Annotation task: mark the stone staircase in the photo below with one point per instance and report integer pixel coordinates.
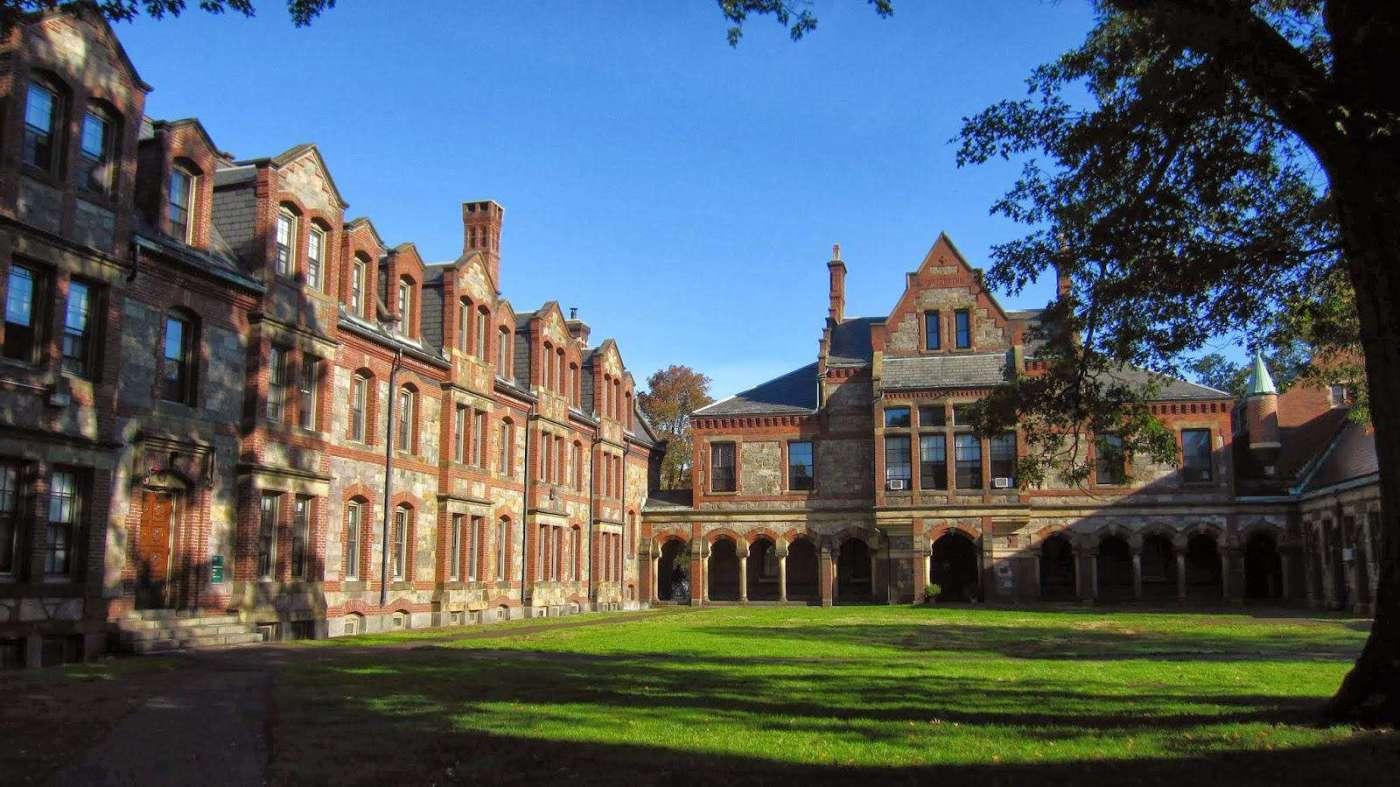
(164, 630)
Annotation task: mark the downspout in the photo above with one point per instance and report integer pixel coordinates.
(388, 478)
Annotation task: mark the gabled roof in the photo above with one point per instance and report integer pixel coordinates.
(90, 14)
(292, 154)
(1169, 389)
(364, 221)
(792, 393)
(1351, 455)
(850, 342)
(182, 122)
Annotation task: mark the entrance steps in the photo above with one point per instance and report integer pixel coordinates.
(165, 630)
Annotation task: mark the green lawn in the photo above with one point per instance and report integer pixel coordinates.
(844, 694)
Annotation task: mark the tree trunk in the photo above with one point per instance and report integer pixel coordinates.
(1368, 206)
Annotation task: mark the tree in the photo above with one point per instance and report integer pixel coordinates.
(672, 395)
(1285, 363)
(11, 11)
(1202, 165)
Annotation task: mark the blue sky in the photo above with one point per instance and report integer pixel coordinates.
(683, 194)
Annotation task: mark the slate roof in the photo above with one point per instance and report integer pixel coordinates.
(1169, 389)
(791, 393)
(1351, 455)
(668, 500)
(850, 342)
(946, 371)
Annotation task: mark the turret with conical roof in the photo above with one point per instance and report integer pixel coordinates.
(1261, 416)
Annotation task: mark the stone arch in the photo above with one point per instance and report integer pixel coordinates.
(855, 570)
(802, 568)
(955, 565)
(1057, 566)
(1115, 565)
(761, 568)
(352, 624)
(722, 575)
(1157, 561)
(1204, 577)
(672, 569)
(1263, 566)
(760, 533)
(718, 533)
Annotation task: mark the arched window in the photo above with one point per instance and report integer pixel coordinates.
(285, 263)
(559, 372)
(405, 428)
(43, 125)
(506, 452)
(464, 311)
(180, 198)
(503, 550)
(97, 149)
(400, 540)
(316, 256)
(359, 285)
(547, 366)
(578, 466)
(481, 333)
(180, 364)
(361, 394)
(503, 353)
(355, 510)
(627, 411)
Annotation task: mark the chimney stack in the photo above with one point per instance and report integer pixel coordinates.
(481, 232)
(836, 312)
(577, 328)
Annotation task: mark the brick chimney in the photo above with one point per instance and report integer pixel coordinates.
(481, 231)
(836, 312)
(577, 328)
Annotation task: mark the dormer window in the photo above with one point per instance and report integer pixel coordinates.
(181, 198)
(286, 240)
(405, 304)
(96, 152)
(315, 257)
(357, 286)
(41, 125)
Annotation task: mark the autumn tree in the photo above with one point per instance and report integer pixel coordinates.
(672, 395)
(1196, 167)
(11, 11)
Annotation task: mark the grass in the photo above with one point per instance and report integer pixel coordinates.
(777, 694)
(850, 693)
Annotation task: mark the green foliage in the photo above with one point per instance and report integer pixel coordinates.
(672, 395)
(795, 16)
(1286, 363)
(11, 11)
(932, 591)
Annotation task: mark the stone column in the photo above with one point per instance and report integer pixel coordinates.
(826, 576)
(782, 575)
(1078, 575)
(1180, 575)
(1224, 573)
(926, 569)
(654, 561)
(744, 578)
(1094, 575)
(875, 590)
(1137, 575)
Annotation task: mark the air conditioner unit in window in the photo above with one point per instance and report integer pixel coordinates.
(895, 484)
(1001, 483)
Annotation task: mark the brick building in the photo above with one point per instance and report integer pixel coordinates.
(196, 397)
(856, 478)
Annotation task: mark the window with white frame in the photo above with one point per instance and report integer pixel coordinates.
(315, 256)
(285, 261)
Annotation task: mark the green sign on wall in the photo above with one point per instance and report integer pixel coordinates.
(216, 569)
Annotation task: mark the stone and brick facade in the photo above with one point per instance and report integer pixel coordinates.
(196, 397)
(855, 478)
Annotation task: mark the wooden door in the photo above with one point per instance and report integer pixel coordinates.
(153, 546)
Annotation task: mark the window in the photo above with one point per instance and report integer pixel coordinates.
(896, 417)
(478, 454)
(359, 407)
(1195, 450)
(722, 467)
(933, 331)
(479, 333)
(962, 325)
(405, 304)
(79, 336)
(177, 376)
(962, 415)
(464, 309)
(404, 438)
(10, 518)
(398, 553)
(1108, 459)
(95, 153)
(474, 548)
(354, 517)
(505, 461)
(358, 281)
(286, 241)
(502, 544)
(800, 466)
(315, 256)
(897, 460)
(454, 559)
(41, 127)
(276, 384)
(578, 466)
(301, 533)
(546, 463)
(1338, 394)
(932, 415)
(267, 535)
(1003, 456)
(503, 353)
(577, 544)
(310, 375)
(968, 450)
(64, 517)
(542, 561)
(558, 460)
(181, 197)
(24, 313)
(459, 434)
(933, 461)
